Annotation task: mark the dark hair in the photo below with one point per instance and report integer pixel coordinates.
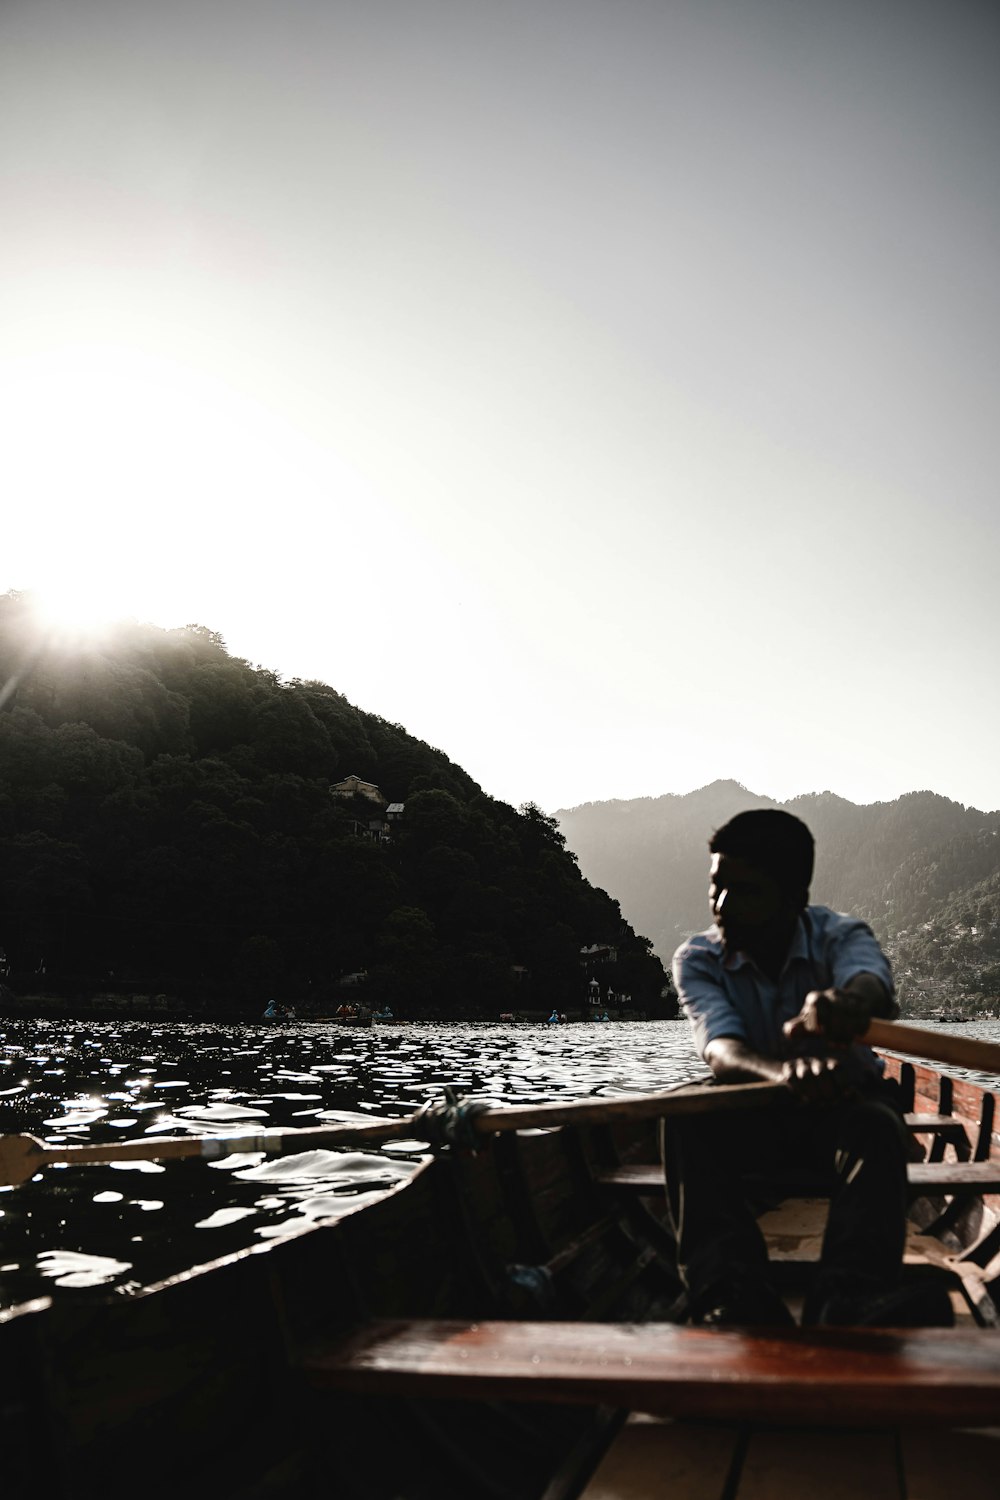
(771, 840)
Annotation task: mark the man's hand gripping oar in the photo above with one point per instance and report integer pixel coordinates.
(845, 1016)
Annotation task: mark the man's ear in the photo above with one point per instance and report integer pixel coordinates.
(797, 899)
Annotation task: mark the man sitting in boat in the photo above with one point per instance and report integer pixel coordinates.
(776, 990)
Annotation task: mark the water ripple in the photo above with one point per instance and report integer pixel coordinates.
(104, 1082)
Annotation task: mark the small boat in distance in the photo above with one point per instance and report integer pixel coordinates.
(278, 1012)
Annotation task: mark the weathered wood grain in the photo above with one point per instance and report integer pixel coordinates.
(819, 1376)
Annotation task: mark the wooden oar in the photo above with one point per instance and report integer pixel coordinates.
(936, 1046)
(21, 1156)
(689, 1099)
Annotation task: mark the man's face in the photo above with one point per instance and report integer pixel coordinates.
(746, 903)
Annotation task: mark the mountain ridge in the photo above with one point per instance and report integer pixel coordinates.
(906, 866)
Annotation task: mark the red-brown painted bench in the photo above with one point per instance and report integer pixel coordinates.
(823, 1376)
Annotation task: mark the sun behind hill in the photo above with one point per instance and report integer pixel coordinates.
(76, 613)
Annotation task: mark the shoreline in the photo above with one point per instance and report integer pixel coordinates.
(144, 1006)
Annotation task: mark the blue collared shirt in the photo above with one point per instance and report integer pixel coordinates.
(730, 996)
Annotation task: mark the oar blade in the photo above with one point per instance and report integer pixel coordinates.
(21, 1156)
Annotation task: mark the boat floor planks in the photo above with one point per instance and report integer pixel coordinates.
(659, 1459)
(946, 1465)
(788, 1465)
(653, 1458)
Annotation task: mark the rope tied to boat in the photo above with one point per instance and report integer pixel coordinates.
(449, 1121)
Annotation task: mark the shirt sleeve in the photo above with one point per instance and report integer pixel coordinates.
(703, 998)
(854, 949)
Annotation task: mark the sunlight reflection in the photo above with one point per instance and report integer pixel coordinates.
(249, 1198)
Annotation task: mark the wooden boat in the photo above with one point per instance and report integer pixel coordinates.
(505, 1325)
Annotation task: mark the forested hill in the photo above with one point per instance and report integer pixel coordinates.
(167, 821)
(923, 870)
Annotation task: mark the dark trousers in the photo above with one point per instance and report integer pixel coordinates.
(859, 1147)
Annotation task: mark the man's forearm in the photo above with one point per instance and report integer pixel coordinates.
(732, 1061)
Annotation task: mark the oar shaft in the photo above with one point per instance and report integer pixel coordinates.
(689, 1100)
(274, 1142)
(27, 1155)
(936, 1046)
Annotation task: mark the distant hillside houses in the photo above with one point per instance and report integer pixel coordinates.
(353, 786)
(598, 953)
(380, 828)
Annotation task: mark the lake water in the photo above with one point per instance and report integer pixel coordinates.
(126, 1225)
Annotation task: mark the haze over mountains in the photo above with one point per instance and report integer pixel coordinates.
(924, 871)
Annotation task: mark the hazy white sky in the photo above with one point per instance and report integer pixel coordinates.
(604, 389)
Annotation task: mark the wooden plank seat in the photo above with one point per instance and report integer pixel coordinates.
(823, 1376)
(973, 1123)
(945, 1128)
(924, 1178)
(953, 1177)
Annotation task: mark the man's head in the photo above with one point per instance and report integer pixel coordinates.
(762, 863)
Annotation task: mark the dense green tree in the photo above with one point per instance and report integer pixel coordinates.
(167, 820)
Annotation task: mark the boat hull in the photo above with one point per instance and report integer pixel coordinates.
(209, 1383)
